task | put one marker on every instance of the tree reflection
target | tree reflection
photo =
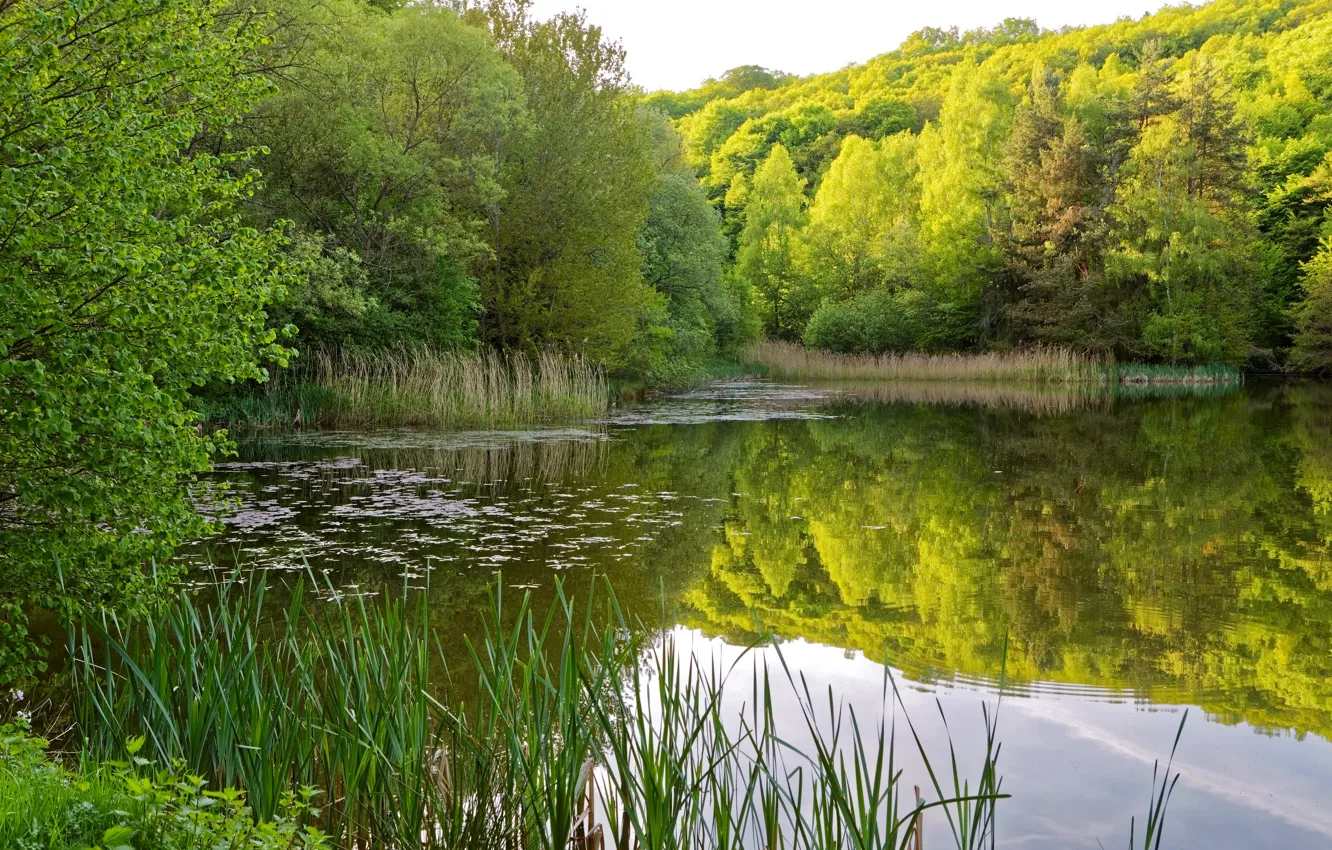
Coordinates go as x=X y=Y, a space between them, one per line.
x=1178 y=549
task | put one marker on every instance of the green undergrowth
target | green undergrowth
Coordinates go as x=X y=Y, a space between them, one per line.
x=132 y=804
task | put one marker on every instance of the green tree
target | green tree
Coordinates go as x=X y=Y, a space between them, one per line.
x=1178 y=258
x=960 y=197
x=577 y=180
x=684 y=258
x=126 y=281
x=1313 y=335
x=383 y=142
x=706 y=129
x=767 y=257
x=859 y=214
x=1055 y=235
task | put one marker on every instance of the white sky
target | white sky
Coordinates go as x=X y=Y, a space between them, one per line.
x=677 y=44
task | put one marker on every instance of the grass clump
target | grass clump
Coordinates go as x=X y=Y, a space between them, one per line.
x=552 y=729
x=423 y=387
x=556 y=729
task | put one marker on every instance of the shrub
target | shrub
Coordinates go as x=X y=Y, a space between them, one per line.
x=874 y=322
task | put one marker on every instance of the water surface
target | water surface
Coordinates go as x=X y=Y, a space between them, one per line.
x=1109 y=562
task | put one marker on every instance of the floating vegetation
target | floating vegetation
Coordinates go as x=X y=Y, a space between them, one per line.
x=422 y=387
x=522 y=501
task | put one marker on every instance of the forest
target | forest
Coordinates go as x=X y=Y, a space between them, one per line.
x=200 y=196
x=1156 y=189
x=462 y=174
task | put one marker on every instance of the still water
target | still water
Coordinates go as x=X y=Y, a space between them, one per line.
x=1098 y=566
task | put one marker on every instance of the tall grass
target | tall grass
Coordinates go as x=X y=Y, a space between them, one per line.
x=576 y=730
x=1042 y=365
x=1037 y=365
x=424 y=387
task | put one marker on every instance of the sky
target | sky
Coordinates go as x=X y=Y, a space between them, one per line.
x=677 y=44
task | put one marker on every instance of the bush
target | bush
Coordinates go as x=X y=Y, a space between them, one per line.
x=874 y=322
x=130 y=806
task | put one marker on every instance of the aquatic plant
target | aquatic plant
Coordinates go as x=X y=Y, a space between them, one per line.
x=1154 y=826
x=1163 y=373
x=422 y=387
x=520 y=739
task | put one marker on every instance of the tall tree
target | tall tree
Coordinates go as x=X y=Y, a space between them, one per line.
x=960 y=197
x=867 y=196
x=383 y=143
x=767 y=260
x=126 y=281
x=684 y=257
x=1054 y=238
x=1313 y=335
x=576 y=179
x=1180 y=260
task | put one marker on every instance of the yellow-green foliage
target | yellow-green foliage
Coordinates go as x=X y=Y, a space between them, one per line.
x=1147 y=187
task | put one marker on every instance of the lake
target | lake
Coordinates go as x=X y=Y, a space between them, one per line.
x=1095 y=566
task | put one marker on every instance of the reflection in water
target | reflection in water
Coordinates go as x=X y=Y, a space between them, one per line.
x=1154 y=553
x=1044 y=400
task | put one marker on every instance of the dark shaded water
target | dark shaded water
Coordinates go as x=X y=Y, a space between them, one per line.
x=1135 y=558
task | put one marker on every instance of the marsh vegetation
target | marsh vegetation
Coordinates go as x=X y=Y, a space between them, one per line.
x=421 y=387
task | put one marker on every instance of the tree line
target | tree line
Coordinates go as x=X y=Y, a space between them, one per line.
x=1154 y=189
x=462 y=173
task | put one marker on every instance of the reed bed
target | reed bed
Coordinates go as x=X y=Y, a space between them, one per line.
x=424 y=387
x=1038 y=365
x=577 y=730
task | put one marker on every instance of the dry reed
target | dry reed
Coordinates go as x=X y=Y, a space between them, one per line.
x=1040 y=365
x=425 y=387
